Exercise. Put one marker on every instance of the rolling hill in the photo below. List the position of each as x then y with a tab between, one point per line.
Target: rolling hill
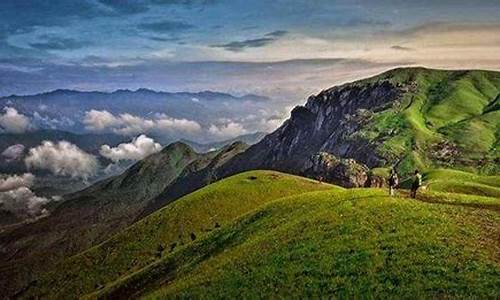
349	135
267	234
88	217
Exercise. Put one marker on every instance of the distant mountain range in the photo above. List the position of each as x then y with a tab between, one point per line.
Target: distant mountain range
349	135
65	109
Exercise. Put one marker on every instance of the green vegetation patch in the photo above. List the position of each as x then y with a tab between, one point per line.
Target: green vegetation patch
167	230
344	244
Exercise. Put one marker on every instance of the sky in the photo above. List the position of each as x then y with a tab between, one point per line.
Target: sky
282	49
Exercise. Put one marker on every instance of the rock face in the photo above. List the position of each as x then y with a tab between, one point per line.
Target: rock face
407	118
374	180
346	172
318	134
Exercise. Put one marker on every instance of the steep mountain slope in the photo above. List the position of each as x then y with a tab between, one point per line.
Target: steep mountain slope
263	233
195	176
409	118
92	215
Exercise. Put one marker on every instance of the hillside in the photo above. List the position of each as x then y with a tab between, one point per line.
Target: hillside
264	234
349	135
88	217
408	118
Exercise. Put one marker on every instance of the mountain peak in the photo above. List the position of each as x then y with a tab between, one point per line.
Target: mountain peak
177	146
408	118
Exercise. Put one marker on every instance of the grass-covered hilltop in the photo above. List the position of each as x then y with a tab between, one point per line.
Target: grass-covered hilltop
253	221
447	118
265	234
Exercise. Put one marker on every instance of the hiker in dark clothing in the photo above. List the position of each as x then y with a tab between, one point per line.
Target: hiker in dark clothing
393	182
417	182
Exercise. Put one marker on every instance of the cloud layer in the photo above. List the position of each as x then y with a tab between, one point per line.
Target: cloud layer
62	159
137	149
16	181
226	131
128	124
17	197
13	122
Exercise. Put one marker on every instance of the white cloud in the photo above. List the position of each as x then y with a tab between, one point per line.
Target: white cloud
166	123
271	124
23	202
62	158
98	120
16	181
13	152
128	124
13	122
228	130
16	196
139	148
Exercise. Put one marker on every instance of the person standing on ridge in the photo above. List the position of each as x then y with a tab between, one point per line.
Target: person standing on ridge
417	182
393	182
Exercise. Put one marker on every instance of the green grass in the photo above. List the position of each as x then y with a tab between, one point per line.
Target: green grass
453	181
456	108
354	243
268	234
170	228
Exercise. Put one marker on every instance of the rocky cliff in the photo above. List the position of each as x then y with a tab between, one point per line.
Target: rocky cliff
405	118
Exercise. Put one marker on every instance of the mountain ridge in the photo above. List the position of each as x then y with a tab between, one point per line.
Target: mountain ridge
378	122
208	93
343	133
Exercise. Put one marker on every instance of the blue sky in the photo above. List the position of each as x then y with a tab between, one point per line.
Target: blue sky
231	45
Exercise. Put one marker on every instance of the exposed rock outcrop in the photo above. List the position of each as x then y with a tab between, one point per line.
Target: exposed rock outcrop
327	167
326	124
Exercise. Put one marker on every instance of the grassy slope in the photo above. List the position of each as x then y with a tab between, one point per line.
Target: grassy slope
453	107
169	228
452	181
335	241
350	243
